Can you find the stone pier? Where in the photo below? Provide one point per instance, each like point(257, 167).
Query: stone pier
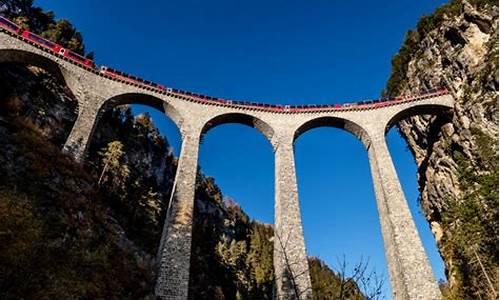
point(409, 268)
point(79, 139)
point(175, 246)
point(291, 267)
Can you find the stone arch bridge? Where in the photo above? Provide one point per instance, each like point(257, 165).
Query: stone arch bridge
point(410, 272)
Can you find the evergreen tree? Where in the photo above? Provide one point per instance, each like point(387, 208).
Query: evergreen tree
point(260, 258)
point(34, 19)
point(63, 33)
point(115, 171)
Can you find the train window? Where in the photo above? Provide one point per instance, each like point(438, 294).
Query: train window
point(41, 40)
point(8, 24)
point(75, 56)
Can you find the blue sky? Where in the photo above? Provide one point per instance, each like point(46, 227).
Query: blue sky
point(276, 52)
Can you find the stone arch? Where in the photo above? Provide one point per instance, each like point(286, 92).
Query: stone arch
point(416, 110)
point(51, 67)
point(145, 99)
point(90, 116)
point(264, 129)
point(336, 122)
point(240, 118)
point(26, 58)
point(30, 58)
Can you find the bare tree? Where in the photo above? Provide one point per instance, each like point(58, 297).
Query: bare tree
point(360, 280)
point(289, 275)
point(367, 281)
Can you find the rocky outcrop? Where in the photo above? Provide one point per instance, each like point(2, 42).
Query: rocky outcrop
point(456, 154)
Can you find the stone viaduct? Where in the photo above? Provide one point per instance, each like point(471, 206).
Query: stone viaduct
point(410, 272)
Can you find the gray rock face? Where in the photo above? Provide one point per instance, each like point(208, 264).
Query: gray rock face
point(461, 53)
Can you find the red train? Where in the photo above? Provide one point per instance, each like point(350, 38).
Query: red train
point(10, 26)
point(130, 78)
point(121, 76)
point(60, 50)
point(14, 28)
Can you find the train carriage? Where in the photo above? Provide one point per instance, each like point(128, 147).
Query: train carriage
point(10, 26)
